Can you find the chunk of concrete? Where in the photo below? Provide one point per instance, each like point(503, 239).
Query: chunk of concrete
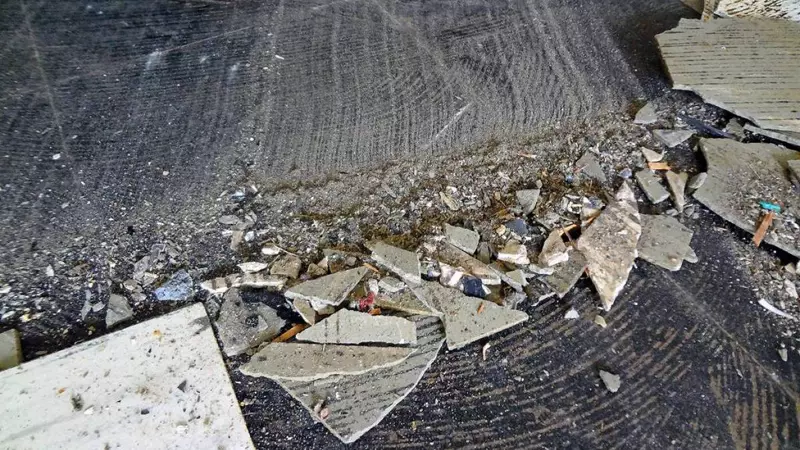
point(609, 245)
point(259, 281)
point(118, 376)
point(554, 251)
point(589, 166)
point(610, 380)
point(178, 288)
point(677, 186)
point(220, 285)
point(527, 200)
point(356, 403)
point(789, 137)
point(287, 265)
point(10, 349)
point(118, 310)
point(464, 239)
point(672, 138)
point(652, 156)
point(406, 302)
point(664, 242)
point(696, 182)
point(241, 326)
point(328, 290)
point(402, 263)
point(453, 256)
point(646, 115)
point(252, 266)
point(391, 285)
point(514, 252)
point(305, 310)
point(651, 186)
point(309, 362)
point(516, 279)
point(467, 319)
point(352, 327)
point(566, 275)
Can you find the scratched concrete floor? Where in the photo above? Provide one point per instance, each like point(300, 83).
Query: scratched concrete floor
point(152, 108)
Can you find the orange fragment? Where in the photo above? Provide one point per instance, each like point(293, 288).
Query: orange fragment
point(372, 268)
point(766, 222)
point(480, 307)
point(658, 166)
point(375, 312)
point(288, 334)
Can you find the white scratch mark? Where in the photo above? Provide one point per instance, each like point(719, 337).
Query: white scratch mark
point(279, 57)
point(452, 121)
point(153, 59)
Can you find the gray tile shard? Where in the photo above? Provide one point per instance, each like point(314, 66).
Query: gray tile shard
point(328, 290)
point(405, 302)
point(304, 309)
point(453, 256)
point(731, 75)
point(10, 350)
point(652, 156)
point(664, 242)
point(356, 403)
point(672, 138)
point(467, 319)
point(466, 240)
point(241, 326)
point(588, 165)
point(287, 265)
point(789, 137)
point(697, 181)
point(309, 362)
point(554, 251)
point(353, 327)
point(739, 175)
point(391, 285)
point(677, 186)
point(109, 374)
point(646, 115)
point(118, 310)
point(651, 186)
point(527, 199)
point(609, 245)
point(402, 263)
point(566, 275)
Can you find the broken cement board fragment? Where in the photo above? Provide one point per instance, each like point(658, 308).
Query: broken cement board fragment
point(677, 185)
point(309, 362)
point(287, 265)
point(304, 309)
point(252, 266)
point(467, 319)
point(646, 115)
point(356, 403)
point(514, 252)
point(610, 380)
point(731, 75)
point(241, 326)
point(589, 165)
point(554, 251)
point(177, 288)
point(609, 245)
point(697, 181)
point(789, 137)
point(664, 242)
point(516, 279)
point(651, 186)
point(405, 302)
point(402, 263)
point(353, 327)
point(566, 275)
point(740, 172)
point(652, 156)
point(10, 349)
point(118, 310)
point(672, 138)
point(527, 199)
point(328, 290)
point(108, 375)
point(466, 240)
point(453, 256)
point(259, 280)
point(391, 285)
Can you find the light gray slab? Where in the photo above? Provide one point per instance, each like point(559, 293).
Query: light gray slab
point(307, 313)
point(464, 239)
point(241, 326)
point(527, 199)
point(672, 138)
point(308, 362)
point(123, 390)
point(10, 349)
point(405, 302)
point(287, 265)
point(677, 187)
point(118, 310)
point(356, 403)
point(588, 165)
point(664, 241)
point(651, 185)
point(789, 137)
point(453, 256)
point(328, 290)
point(739, 176)
point(402, 263)
point(391, 285)
point(467, 319)
point(566, 275)
point(609, 245)
point(651, 155)
point(353, 327)
point(748, 67)
point(646, 115)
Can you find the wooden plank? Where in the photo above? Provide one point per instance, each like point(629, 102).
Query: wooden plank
point(749, 67)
